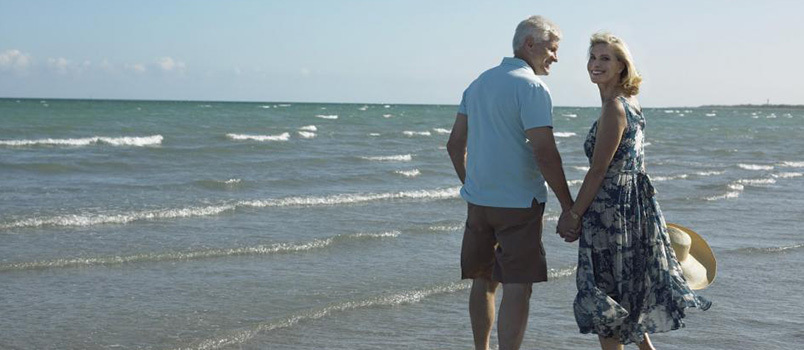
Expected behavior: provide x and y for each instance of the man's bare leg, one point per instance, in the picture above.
(513, 315)
(481, 310)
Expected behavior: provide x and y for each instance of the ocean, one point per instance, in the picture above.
(214, 225)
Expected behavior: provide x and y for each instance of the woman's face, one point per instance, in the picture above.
(603, 66)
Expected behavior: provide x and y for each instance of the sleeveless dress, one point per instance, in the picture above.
(629, 280)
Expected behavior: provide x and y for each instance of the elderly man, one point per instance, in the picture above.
(503, 150)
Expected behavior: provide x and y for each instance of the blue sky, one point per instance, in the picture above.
(689, 52)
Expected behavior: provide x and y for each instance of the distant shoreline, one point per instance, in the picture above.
(765, 106)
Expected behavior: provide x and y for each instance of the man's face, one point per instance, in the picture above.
(543, 54)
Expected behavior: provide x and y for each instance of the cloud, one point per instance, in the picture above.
(14, 59)
(305, 72)
(168, 64)
(60, 65)
(136, 67)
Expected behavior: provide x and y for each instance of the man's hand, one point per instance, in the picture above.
(568, 227)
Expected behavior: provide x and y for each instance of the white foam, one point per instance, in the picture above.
(387, 115)
(284, 105)
(387, 106)
(449, 228)
(670, 111)
(581, 168)
(755, 167)
(308, 128)
(232, 181)
(564, 134)
(727, 195)
(442, 131)
(570, 115)
(307, 134)
(330, 116)
(408, 173)
(708, 173)
(114, 141)
(787, 175)
(397, 158)
(646, 144)
(241, 336)
(574, 182)
(668, 178)
(266, 106)
(757, 182)
(281, 137)
(374, 134)
(198, 254)
(416, 133)
(792, 164)
(363, 108)
(303, 201)
(710, 114)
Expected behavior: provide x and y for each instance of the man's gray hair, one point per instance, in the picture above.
(539, 28)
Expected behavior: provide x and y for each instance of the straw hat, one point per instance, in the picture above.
(693, 253)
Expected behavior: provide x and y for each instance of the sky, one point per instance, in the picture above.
(689, 52)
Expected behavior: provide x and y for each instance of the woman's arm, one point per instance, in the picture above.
(610, 129)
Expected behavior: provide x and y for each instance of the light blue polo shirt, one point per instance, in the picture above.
(502, 103)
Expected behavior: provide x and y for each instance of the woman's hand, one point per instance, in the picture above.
(569, 226)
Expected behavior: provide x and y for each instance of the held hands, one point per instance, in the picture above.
(569, 226)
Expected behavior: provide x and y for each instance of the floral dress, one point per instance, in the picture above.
(629, 280)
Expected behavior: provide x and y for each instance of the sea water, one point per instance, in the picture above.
(211, 225)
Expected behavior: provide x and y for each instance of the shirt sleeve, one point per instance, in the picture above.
(462, 106)
(536, 106)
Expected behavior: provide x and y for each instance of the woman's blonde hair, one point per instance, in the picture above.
(629, 77)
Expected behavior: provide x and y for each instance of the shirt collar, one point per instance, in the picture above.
(517, 62)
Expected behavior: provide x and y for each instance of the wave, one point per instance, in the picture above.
(787, 175)
(407, 297)
(668, 178)
(442, 131)
(309, 201)
(570, 115)
(574, 182)
(457, 227)
(276, 248)
(564, 134)
(387, 115)
(330, 117)
(219, 184)
(708, 173)
(374, 134)
(581, 168)
(307, 134)
(755, 167)
(397, 158)
(308, 128)
(281, 137)
(756, 182)
(416, 133)
(408, 173)
(768, 250)
(792, 164)
(734, 191)
(114, 141)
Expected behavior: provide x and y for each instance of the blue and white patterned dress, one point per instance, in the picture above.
(629, 280)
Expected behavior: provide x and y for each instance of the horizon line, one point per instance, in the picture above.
(363, 103)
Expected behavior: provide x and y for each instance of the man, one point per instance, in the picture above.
(503, 150)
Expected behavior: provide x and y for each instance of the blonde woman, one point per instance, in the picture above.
(629, 281)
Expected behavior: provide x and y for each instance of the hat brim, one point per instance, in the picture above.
(701, 251)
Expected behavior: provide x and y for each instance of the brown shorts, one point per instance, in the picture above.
(504, 244)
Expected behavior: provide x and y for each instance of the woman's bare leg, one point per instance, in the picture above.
(610, 343)
(646, 344)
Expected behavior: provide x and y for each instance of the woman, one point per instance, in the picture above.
(629, 280)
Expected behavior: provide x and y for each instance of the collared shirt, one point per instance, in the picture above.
(502, 103)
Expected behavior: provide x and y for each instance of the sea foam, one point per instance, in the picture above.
(114, 141)
(262, 249)
(755, 167)
(564, 134)
(281, 137)
(397, 158)
(294, 201)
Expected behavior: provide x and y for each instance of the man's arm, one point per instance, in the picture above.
(456, 146)
(546, 153)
